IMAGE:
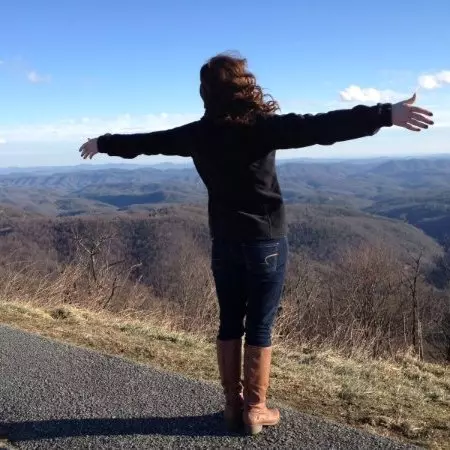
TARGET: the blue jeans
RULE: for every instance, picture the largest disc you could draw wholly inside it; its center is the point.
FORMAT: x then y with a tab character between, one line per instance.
249	278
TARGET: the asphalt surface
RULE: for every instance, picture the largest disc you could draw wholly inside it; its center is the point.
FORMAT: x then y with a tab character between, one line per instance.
58	396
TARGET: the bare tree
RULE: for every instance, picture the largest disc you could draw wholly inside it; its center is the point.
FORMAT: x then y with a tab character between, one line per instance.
413	276
91	244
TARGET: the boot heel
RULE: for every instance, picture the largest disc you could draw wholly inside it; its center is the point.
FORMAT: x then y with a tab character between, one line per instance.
253	429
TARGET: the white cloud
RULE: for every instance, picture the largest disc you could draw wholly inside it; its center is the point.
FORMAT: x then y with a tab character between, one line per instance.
34	77
427	81
78	130
436	80
356	93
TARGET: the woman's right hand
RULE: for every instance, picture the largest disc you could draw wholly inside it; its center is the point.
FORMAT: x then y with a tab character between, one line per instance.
413	118
89	149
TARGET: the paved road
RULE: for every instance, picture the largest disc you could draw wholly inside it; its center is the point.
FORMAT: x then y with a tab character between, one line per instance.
58	396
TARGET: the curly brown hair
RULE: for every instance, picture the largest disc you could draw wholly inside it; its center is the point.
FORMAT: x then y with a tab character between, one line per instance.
230	92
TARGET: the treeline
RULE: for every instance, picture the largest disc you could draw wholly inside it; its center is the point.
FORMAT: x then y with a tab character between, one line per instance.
319	232
363	298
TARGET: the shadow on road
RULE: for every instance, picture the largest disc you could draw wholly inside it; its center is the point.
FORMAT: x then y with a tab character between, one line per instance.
206	425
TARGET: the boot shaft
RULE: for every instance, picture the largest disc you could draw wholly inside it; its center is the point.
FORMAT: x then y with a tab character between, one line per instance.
229	359
257	362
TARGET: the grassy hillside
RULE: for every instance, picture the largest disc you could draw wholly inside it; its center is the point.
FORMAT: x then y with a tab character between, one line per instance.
404	398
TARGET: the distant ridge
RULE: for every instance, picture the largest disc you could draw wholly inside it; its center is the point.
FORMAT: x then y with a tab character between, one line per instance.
188	164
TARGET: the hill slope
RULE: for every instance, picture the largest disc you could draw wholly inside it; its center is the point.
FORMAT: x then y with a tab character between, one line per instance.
402	189
319	231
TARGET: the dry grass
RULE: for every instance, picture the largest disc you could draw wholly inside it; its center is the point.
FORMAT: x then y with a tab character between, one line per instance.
404	399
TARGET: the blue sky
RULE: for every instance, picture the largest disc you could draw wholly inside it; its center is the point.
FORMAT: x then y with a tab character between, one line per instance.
76	69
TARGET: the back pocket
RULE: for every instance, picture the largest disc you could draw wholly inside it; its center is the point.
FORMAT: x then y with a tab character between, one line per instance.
261	257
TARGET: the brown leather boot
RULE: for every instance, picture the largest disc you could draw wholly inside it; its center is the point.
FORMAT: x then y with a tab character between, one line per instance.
229	358
257	362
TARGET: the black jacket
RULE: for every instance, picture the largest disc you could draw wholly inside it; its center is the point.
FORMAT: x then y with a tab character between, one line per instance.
237	162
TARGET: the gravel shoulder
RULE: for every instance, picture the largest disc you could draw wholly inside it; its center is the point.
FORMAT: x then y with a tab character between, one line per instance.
54	395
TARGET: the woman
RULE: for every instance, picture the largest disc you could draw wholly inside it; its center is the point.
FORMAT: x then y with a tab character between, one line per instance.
233	148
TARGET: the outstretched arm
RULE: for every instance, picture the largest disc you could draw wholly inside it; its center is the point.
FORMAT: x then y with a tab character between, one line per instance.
177	141
296	130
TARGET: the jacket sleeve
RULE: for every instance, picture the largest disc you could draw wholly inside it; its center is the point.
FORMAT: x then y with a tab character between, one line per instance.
177	141
297	130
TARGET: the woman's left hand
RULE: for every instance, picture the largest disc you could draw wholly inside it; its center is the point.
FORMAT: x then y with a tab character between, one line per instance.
413	118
